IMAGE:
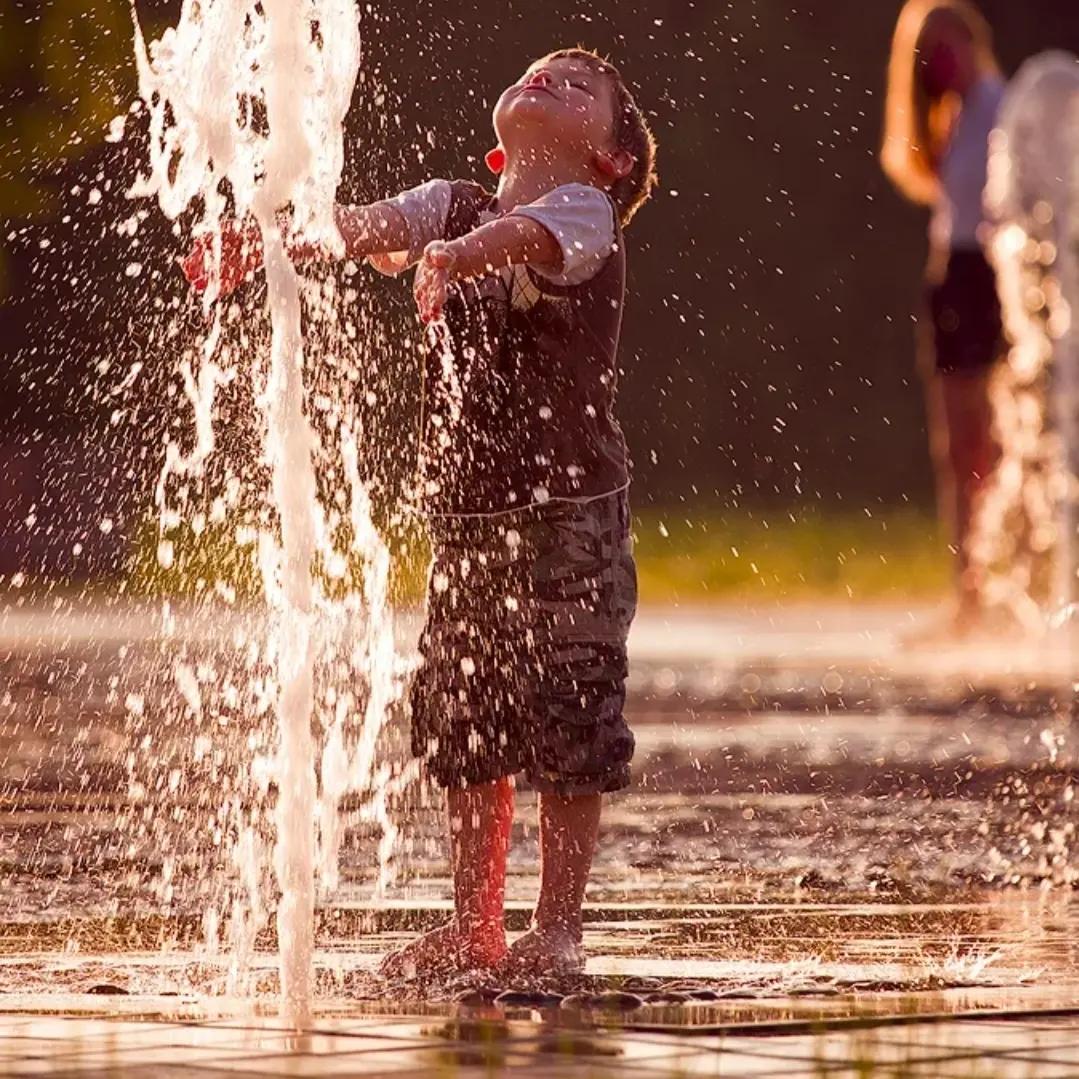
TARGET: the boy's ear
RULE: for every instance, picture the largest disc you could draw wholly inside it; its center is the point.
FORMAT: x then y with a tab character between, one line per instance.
614	164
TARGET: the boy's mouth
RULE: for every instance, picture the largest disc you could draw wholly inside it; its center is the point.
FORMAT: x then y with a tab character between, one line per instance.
536	88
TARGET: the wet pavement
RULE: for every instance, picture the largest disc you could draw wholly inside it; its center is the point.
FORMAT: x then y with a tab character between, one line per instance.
1032	1045
825	829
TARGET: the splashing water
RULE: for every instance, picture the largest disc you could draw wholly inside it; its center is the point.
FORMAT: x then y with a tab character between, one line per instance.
1027	536
246	103
1026	539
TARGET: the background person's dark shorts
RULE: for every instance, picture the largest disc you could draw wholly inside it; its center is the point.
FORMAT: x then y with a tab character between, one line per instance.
524	648
965	312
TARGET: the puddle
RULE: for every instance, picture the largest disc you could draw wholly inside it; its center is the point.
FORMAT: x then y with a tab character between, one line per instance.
706	961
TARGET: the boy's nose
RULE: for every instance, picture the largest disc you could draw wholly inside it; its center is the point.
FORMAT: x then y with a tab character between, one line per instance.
539	78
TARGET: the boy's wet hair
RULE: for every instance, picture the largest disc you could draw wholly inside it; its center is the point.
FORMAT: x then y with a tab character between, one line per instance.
631	133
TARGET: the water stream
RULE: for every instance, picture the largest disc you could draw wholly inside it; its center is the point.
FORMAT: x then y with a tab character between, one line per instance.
1026	541
247	102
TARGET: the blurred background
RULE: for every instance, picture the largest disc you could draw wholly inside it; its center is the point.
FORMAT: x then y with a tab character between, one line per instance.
769	390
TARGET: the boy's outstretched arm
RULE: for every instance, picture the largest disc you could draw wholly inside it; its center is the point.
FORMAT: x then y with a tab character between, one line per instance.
375	229
506	242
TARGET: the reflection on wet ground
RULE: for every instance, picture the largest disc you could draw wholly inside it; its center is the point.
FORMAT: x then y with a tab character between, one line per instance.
1028	1045
806	838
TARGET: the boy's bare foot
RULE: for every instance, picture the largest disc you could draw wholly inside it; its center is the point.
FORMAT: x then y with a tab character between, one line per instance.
446	950
544	951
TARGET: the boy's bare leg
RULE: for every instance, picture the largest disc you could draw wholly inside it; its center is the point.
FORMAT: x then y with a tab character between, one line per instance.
480	819
569	827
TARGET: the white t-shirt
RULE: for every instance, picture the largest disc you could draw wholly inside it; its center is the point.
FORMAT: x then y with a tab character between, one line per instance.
959	212
579	217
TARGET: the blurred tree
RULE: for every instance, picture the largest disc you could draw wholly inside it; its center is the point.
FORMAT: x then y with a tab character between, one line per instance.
65	72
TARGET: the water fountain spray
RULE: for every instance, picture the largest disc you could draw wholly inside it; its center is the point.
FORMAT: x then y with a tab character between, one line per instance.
246	104
1027	538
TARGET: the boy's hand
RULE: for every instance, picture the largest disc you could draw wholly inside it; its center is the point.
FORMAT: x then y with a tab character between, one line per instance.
241	254
433	275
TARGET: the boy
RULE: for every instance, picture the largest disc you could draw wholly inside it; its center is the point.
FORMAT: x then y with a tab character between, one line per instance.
523	479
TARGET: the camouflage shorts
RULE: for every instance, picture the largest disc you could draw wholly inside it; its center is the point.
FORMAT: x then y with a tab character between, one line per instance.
524	648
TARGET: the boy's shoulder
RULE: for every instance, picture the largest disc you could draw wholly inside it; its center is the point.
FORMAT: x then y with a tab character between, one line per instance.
468	190
575	194
466	201
471	187
578	201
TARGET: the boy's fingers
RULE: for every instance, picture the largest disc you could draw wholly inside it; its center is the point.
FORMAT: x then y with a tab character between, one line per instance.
438	254
195	271
196	264
421	302
434	300
430	310
429	291
240	256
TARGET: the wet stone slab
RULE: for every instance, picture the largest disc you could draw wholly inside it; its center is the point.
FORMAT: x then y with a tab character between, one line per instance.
704	962
1029	1045
817	834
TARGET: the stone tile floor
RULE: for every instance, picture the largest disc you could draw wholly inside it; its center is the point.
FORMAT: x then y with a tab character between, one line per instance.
834	809
1035	1045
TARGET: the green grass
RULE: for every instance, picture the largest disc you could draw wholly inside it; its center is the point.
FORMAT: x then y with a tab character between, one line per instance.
685	556
688	556
201	562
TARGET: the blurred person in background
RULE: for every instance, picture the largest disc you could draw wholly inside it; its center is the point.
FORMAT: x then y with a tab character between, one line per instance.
944	91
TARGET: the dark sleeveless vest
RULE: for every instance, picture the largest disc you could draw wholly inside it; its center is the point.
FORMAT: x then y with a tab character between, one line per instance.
519	386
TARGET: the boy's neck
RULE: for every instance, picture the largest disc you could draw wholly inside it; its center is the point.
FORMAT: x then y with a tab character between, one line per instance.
525	181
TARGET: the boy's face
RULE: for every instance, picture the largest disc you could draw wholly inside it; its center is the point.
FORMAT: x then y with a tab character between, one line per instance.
565	102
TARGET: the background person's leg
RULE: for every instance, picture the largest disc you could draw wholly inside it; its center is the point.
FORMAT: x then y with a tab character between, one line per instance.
972	453
940	452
